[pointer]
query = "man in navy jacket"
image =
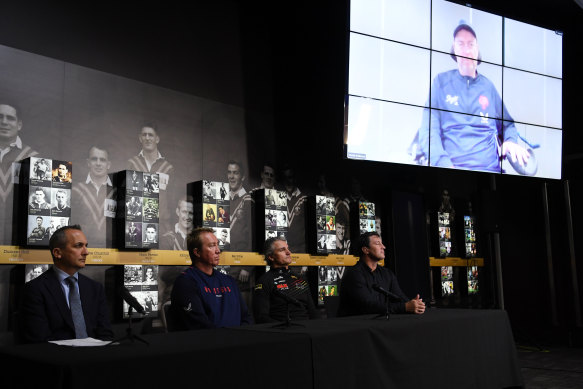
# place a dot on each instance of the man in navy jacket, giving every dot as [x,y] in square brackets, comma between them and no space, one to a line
[203,297]
[45,313]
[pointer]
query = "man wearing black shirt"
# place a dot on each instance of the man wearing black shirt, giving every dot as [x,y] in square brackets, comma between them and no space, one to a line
[278,289]
[357,291]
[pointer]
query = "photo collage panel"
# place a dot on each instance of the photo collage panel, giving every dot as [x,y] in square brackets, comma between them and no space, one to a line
[142,283]
[325,225]
[142,209]
[49,198]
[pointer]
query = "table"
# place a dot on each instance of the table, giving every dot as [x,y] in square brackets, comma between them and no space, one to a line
[444,348]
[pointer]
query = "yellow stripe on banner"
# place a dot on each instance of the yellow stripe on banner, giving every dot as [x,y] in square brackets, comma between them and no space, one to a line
[455,261]
[103,256]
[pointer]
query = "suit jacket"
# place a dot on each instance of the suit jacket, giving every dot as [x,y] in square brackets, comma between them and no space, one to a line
[45,315]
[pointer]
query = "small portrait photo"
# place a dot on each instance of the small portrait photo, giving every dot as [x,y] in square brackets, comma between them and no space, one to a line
[109,208]
[134,208]
[270,218]
[281,219]
[443,218]
[40,169]
[134,181]
[33,271]
[150,234]
[133,274]
[39,200]
[151,209]
[370,225]
[331,242]
[150,273]
[209,191]
[322,243]
[330,223]
[223,215]
[62,172]
[37,229]
[362,224]
[60,202]
[332,290]
[133,234]
[55,224]
[223,191]
[270,198]
[151,184]
[149,301]
[210,214]
[224,237]
[321,223]
[321,205]
[281,199]
[329,205]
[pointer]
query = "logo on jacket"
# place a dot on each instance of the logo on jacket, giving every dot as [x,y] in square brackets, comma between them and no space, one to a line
[484,103]
[188,308]
[484,118]
[453,100]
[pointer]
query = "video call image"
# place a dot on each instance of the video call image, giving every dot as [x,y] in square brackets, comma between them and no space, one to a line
[467,89]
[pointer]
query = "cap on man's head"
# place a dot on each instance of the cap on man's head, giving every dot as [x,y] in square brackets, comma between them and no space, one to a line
[464,26]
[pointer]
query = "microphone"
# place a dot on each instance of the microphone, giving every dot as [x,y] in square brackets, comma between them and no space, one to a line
[385,292]
[288,299]
[131,300]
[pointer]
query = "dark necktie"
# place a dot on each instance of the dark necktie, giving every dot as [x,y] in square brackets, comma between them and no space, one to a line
[76,309]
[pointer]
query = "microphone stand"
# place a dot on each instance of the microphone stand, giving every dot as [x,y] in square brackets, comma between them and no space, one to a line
[387,314]
[130,336]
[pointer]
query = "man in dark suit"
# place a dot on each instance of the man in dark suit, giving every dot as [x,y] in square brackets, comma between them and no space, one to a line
[61,303]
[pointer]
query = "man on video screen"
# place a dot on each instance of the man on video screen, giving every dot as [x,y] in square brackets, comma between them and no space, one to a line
[465,124]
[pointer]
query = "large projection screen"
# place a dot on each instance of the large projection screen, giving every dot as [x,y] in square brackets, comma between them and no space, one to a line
[435,83]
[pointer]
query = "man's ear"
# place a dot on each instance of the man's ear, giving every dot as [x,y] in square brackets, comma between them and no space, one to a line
[196,252]
[57,253]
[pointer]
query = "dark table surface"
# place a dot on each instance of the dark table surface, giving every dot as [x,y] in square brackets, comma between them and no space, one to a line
[441,349]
